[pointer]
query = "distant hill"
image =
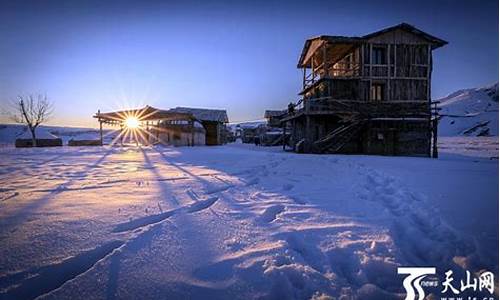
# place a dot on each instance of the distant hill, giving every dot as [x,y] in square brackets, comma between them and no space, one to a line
[470,112]
[248,124]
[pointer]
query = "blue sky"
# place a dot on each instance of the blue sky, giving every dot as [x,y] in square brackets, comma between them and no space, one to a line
[241,56]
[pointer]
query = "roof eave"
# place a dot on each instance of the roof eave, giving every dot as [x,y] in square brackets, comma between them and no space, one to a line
[329,40]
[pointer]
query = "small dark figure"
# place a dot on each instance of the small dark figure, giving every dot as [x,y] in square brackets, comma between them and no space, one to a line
[291,108]
[256,140]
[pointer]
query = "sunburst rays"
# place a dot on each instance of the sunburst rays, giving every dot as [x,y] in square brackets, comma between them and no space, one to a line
[135,127]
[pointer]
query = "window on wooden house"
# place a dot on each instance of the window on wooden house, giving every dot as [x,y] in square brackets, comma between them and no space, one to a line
[377,92]
[379,56]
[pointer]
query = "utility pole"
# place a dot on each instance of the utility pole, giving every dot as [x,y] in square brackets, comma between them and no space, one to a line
[434,122]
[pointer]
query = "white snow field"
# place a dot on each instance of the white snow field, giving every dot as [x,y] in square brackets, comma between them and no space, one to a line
[237,222]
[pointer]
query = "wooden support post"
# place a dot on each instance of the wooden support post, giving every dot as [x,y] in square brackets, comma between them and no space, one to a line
[388,83]
[121,135]
[312,70]
[370,56]
[100,125]
[370,60]
[429,72]
[361,63]
[192,133]
[158,131]
[304,77]
[100,131]
[434,137]
[434,121]
[308,135]
[325,67]
[284,135]
[395,60]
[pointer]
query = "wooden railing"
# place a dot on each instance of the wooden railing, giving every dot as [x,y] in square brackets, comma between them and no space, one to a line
[337,70]
[344,70]
[362,109]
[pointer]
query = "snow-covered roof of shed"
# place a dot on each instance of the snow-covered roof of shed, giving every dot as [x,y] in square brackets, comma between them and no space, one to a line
[204,114]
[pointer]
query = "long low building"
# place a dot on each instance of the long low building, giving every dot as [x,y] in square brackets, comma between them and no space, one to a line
[213,120]
[181,126]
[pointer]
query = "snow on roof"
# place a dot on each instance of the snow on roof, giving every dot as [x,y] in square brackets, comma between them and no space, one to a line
[204,114]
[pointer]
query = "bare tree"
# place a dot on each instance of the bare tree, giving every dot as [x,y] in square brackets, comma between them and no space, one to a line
[32,111]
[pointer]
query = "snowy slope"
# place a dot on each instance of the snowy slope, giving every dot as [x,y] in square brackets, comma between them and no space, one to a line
[470,112]
[252,124]
[236,222]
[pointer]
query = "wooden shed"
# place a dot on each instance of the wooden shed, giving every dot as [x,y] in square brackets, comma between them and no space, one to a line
[181,126]
[213,120]
[154,125]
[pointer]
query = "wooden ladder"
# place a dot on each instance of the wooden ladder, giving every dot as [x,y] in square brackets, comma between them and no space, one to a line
[339,137]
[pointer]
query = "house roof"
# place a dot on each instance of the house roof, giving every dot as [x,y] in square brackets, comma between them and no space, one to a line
[436,42]
[204,114]
[274,113]
[318,40]
[147,113]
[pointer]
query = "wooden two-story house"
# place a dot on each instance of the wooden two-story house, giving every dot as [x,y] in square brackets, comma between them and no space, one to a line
[369,94]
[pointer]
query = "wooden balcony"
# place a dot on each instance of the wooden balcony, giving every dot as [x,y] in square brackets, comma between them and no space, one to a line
[361,109]
[332,71]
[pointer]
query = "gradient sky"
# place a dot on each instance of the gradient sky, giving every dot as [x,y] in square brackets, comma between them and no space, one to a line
[237,55]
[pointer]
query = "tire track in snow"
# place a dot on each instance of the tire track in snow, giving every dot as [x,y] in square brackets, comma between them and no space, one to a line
[158,218]
[33,283]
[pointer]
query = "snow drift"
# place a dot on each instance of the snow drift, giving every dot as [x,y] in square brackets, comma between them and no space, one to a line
[236,222]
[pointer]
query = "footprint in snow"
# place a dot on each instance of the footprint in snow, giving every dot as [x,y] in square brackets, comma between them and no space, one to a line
[252,181]
[288,186]
[298,200]
[270,213]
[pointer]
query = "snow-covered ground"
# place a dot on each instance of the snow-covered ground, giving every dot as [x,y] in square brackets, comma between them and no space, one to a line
[237,222]
[480,146]
[246,222]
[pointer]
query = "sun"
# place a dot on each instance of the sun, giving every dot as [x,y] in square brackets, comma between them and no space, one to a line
[132,122]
